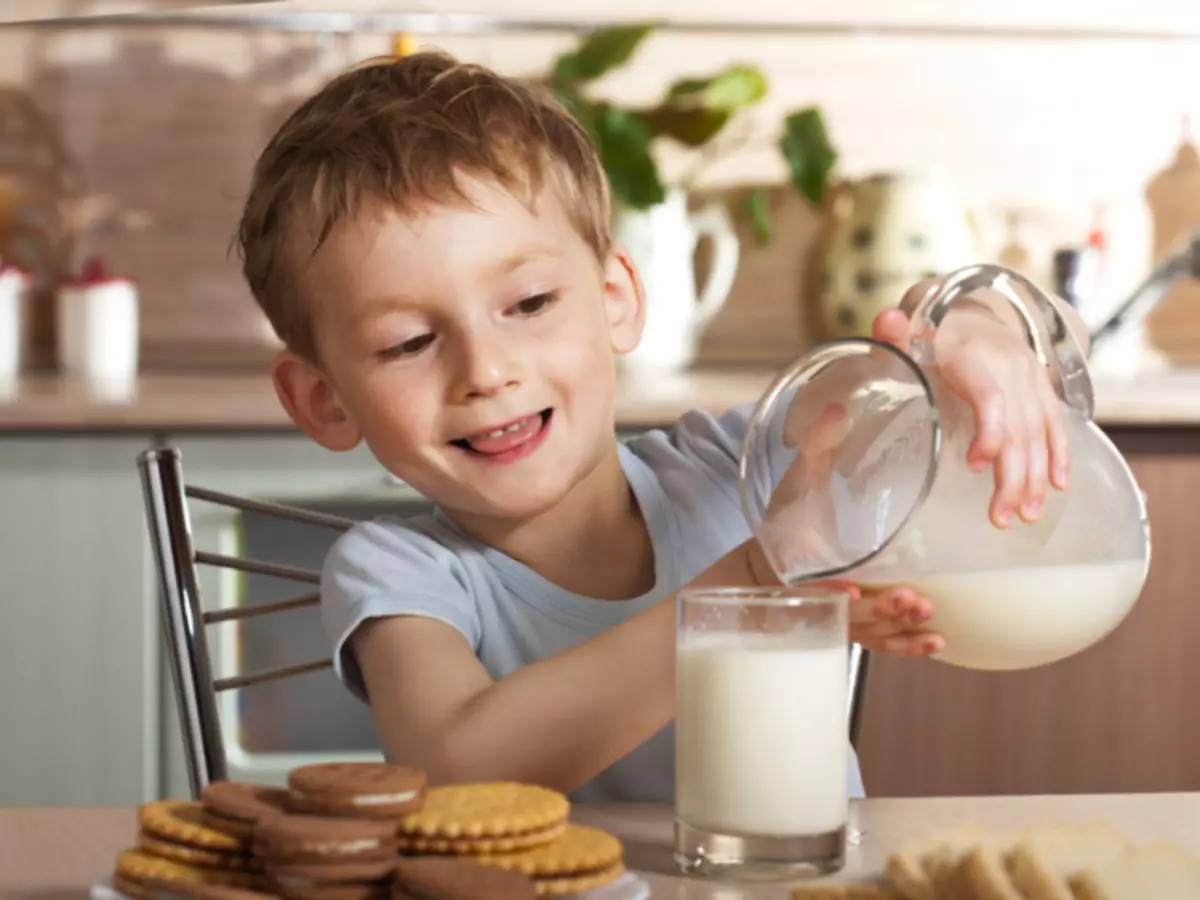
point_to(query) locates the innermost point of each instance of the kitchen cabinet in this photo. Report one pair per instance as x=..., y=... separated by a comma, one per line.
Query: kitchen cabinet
x=79, y=646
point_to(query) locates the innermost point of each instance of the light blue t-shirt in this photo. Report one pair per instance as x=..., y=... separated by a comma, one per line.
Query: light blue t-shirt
x=686, y=483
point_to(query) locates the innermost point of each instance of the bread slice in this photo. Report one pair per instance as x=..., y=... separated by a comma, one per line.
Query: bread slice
x=981, y=874
x=1041, y=865
x=917, y=867
x=1157, y=872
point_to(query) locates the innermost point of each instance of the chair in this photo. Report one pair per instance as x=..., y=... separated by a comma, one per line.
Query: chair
x=185, y=619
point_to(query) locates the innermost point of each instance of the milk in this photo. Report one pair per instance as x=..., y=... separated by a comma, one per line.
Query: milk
x=1031, y=615
x=761, y=732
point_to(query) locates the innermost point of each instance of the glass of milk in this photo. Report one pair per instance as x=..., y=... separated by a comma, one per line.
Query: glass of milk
x=761, y=730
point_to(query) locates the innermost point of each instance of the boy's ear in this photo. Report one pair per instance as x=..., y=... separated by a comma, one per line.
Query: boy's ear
x=625, y=302
x=312, y=403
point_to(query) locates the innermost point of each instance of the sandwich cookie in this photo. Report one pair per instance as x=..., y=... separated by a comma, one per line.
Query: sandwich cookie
x=357, y=790
x=582, y=859
x=176, y=831
x=135, y=868
x=234, y=807
x=484, y=817
x=445, y=878
x=317, y=858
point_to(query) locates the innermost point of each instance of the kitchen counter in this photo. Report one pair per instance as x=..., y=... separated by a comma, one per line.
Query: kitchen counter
x=60, y=852
x=248, y=403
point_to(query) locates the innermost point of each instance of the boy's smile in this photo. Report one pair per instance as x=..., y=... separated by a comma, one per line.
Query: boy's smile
x=471, y=346
x=509, y=441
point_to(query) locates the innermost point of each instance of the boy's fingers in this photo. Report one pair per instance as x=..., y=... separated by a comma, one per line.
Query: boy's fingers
x=914, y=644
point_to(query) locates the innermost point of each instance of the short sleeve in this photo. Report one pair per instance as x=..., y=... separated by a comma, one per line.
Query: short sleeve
x=391, y=568
x=714, y=443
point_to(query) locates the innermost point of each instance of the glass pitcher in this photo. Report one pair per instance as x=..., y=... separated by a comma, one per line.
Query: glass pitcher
x=855, y=466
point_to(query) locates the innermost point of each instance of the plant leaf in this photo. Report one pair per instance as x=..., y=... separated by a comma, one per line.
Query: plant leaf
x=692, y=127
x=760, y=217
x=733, y=88
x=810, y=156
x=600, y=52
x=623, y=143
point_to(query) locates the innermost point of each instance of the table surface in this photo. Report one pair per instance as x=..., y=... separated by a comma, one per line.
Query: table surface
x=57, y=853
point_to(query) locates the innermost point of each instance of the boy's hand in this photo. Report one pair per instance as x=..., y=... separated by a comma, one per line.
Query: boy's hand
x=892, y=621
x=1018, y=418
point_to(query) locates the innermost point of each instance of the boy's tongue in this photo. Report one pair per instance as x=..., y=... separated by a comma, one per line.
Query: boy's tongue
x=510, y=438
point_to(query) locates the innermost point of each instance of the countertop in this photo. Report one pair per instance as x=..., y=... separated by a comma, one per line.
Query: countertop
x=58, y=853
x=246, y=402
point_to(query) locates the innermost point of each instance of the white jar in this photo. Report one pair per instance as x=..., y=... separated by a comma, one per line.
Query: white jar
x=14, y=284
x=98, y=329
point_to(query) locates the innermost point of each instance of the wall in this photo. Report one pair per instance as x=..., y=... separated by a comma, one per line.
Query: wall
x=162, y=127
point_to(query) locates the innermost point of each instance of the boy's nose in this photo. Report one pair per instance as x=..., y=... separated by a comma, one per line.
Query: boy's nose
x=486, y=367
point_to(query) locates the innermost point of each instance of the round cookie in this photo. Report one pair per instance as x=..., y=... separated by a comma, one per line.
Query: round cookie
x=485, y=845
x=458, y=879
x=331, y=872
x=301, y=838
x=581, y=850
x=485, y=809
x=193, y=856
x=135, y=867
x=361, y=790
x=181, y=822
x=234, y=807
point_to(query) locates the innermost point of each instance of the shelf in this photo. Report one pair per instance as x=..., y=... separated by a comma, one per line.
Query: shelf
x=27, y=13
x=433, y=23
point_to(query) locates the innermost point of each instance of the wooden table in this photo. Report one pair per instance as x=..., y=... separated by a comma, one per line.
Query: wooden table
x=55, y=854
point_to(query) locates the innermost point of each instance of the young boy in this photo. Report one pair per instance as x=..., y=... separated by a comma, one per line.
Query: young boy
x=431, y=242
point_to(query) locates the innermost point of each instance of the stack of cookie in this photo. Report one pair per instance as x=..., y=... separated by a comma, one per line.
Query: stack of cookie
x=339, y=838
x=366, y=831
x=517, y=828
x=176, y=844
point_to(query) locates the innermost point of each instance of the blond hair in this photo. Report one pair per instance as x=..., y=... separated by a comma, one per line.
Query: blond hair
x=400, y=131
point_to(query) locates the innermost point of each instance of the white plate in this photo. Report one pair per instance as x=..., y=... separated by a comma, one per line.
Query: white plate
x=629, y=886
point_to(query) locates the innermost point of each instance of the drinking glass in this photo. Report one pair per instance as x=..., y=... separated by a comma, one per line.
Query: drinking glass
x=762, y=739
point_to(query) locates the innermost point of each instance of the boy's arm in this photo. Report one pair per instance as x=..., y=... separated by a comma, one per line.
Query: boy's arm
x=557, y=722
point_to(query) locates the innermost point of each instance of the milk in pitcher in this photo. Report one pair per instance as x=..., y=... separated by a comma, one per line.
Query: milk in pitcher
x=1026, y=616
x=762, y=734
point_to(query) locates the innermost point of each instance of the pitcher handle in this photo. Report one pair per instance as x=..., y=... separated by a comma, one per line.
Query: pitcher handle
x=1063, y=356
x=713, y=221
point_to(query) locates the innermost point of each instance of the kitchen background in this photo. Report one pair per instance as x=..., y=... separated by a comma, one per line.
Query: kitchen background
x=157, y=129
x=1070, y=118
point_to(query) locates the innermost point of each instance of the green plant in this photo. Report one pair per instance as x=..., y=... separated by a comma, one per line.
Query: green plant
x=694, y=112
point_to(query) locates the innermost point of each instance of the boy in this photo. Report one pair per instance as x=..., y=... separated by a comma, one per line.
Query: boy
x=430, y=240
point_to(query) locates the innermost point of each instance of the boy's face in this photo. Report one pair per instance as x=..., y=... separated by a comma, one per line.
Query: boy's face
x=471, y=347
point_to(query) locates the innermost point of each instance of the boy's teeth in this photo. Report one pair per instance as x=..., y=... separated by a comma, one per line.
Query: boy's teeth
x=515, y=426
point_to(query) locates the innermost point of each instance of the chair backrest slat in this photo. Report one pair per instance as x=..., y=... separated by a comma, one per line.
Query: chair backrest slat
x=304, y=516
x=234, y=613
x=239, y=681
x=254, y=566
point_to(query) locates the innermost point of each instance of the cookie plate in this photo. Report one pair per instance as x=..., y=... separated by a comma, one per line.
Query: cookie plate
x=629, y=886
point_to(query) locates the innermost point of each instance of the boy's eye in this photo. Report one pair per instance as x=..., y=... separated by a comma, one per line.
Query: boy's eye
x=411, y=347
x=533, y=305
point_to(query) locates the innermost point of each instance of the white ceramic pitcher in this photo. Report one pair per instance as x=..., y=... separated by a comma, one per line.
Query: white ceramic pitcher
x=662, y=242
